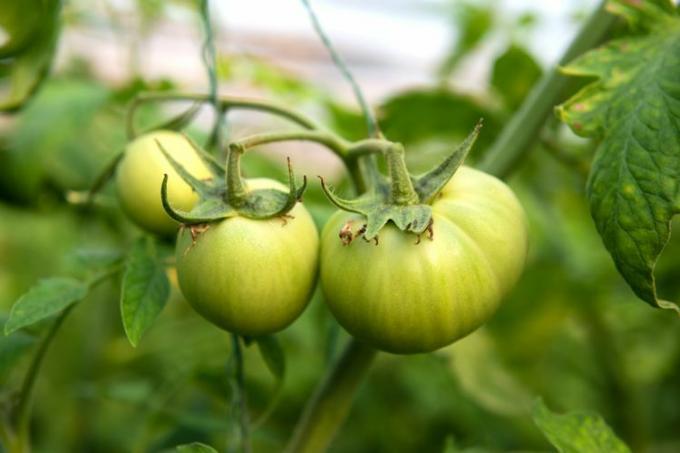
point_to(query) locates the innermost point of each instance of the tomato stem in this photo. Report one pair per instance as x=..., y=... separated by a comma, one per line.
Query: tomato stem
x=403, y=193
x=331, y=141
x=330, y=404
x=240, y=405
x=235, y=188
x=225, y=102
x=22, y=413
x=23, y=410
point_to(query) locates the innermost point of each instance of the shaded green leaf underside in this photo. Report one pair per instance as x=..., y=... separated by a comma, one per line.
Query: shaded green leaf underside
x=634, y=108
x=577, y=433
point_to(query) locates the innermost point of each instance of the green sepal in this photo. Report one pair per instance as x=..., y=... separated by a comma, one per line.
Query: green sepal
x=210, y=209
x=427, y=186
x=267, y=203
x=407, y=203
x=358, y=205
x=414, y=219
x=217, y=169
x=213, y=204
x=377, y=210
x=203, y=188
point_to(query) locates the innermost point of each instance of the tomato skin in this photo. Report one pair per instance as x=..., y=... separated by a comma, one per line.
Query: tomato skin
x=250, y=277
x=404, y=297
x=140, y=174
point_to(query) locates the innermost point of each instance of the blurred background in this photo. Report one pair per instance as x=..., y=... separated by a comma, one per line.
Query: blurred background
x=571, y=333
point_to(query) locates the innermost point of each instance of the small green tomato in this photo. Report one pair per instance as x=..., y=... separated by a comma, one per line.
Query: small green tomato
x=250, y=277
x=140, y=175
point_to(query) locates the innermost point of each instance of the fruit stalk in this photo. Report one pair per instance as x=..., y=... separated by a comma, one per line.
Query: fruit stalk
x=330, y=404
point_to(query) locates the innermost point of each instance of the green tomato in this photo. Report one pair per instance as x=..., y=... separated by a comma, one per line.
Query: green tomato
x=250, y=277
x=140, y=174
x=403, y=297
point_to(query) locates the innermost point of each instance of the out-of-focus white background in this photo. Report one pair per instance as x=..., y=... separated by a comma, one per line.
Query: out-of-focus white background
x=389, y=44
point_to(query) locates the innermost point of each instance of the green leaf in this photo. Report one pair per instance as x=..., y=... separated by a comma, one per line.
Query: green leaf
x=577, y=433
x=514, y=74
x=47, y=298
x=91, y=260
x=273, y=355
x=145, y=289
x=60, y=140
x=633, y=108
x=196, y=447
x=420, y=115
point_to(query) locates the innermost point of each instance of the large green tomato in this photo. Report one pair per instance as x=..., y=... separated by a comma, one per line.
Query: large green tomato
x=140, y=175
x=250, y=277
x=404, y=297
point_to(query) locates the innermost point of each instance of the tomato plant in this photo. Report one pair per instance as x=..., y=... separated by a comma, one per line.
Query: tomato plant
x=163, y=282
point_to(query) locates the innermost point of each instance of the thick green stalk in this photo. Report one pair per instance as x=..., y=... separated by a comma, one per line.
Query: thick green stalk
x=330, y=404
x=236, y=191
x=523, y=130
x=403, y=192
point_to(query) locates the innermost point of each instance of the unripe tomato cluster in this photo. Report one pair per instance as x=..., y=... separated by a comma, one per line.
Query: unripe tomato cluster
x=255, y=277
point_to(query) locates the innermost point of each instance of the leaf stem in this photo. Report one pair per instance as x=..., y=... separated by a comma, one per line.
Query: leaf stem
x=331, y=402
x=523, y=130
x=329, y=140
x=226, y=102
x=23, y=410
x=240, y=402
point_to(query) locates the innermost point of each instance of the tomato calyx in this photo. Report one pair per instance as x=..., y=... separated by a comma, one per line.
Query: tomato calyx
x=225, y=194
x=398, y=196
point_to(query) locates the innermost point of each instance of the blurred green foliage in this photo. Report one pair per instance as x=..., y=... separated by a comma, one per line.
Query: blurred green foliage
x=27, y=46
x=571, y=332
